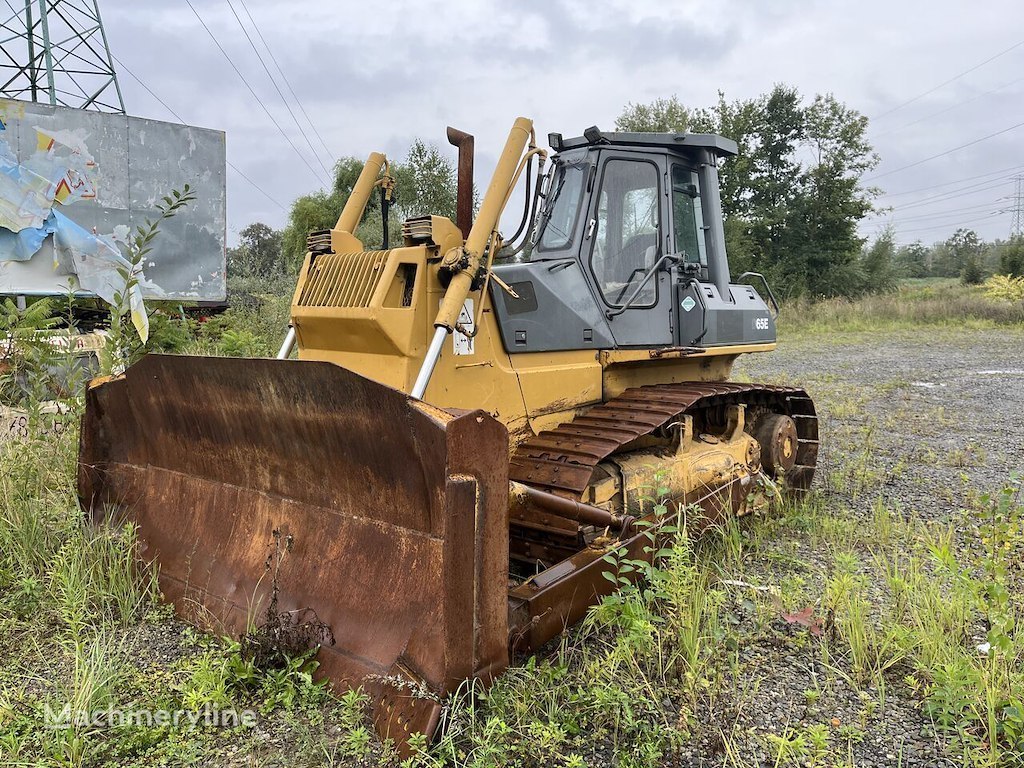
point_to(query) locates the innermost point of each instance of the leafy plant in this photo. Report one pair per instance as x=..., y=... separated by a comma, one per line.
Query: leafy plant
x=25, y=351
x=789, y=747
x=1005, y=288
x=228, y=676
x=123, y=345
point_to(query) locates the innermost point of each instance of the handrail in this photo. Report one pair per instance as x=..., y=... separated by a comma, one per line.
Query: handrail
x=651, y=272
x=767, y=287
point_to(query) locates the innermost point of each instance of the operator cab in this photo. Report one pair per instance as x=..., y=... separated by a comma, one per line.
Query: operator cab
x=629, y=251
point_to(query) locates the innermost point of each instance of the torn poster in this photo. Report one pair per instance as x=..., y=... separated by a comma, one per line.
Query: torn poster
x=104, y=171
x=58, y=171
x=25, y=195
x=100, y=267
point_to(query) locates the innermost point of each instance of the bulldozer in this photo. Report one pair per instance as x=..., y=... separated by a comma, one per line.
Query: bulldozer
x=458, y=430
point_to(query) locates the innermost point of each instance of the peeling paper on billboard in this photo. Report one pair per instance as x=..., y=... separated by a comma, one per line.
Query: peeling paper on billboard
x=58, y=172
x=25, y=195
x=97, y=261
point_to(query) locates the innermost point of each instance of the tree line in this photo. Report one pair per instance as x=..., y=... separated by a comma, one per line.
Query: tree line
x=792, y=199
x=964, y=255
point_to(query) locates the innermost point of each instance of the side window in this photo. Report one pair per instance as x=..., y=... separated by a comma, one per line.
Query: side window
x=687, y=217
x=626, y=237
x=560, y=219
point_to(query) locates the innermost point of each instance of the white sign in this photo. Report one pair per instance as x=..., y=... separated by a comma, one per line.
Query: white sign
x=462, y=344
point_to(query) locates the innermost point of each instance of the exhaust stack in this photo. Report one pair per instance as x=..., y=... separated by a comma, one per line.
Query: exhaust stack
x=464, y=199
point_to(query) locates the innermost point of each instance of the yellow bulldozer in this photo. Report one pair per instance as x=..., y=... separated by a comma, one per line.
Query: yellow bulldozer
x=471, y=424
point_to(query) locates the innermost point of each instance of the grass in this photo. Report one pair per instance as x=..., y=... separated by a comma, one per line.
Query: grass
x=834, y=615
x=942, y=302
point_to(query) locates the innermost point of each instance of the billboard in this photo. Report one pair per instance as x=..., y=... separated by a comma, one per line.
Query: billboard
x=75, y=185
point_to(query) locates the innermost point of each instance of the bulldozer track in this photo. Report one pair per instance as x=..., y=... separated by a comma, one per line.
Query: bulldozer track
x=562, y=460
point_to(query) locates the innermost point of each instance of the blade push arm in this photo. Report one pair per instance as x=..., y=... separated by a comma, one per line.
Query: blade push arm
x=464, y=263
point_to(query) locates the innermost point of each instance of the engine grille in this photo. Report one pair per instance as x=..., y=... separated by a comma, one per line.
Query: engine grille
x=343, y=279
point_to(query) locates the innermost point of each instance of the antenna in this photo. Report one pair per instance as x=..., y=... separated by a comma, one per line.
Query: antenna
x=56, y=52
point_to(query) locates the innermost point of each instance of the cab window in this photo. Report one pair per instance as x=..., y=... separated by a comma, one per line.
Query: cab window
x=626, y=232
x=687, y=217
x=560, y=218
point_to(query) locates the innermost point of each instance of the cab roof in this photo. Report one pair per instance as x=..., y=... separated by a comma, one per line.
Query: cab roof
x=718, y=145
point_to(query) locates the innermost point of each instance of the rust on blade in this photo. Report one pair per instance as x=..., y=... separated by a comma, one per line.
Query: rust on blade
x=397, y=512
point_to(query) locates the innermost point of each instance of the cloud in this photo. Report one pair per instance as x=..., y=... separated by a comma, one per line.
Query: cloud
x=375, y=75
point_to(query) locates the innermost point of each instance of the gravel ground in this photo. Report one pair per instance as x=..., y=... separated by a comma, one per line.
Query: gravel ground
x=942, y=412
x=949, y=402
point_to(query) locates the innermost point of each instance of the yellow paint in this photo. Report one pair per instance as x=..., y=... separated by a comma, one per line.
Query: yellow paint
x=375, y=313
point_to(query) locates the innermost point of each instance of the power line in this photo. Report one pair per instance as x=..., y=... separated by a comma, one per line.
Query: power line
x=276, y=88
x=938, y=225
x=960, y=211
x=941, y=154
x=947, y=82
x=178, y=117
x=950, y=183
x=955, y=194
x=251, y=91
x=960, y=224
x=284, y=77
x=948, y=109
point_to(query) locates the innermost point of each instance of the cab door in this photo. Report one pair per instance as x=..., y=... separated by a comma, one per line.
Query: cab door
x=625, y=236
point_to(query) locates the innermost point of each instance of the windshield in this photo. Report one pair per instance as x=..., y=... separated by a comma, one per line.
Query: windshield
x=560, y=213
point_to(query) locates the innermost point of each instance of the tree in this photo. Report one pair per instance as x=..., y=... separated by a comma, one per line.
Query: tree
x=661, y=115
x=1011, y=257
x=792, y=197
x=913, y=260
x=425, y=183
x=878, y=264
x=309, y=213
x=972, y=272
x=962, y=256
x=258, y=253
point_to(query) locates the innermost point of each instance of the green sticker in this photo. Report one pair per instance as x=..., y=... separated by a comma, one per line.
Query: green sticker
x=688, y=304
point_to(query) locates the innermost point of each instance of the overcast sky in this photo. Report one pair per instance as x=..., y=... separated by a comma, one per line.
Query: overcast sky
x=374, y=75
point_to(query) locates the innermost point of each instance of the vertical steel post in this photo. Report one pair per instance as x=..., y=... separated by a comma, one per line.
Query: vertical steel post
x=32, y=72
x=714, y=229
x=110, y=59
x=44, y=25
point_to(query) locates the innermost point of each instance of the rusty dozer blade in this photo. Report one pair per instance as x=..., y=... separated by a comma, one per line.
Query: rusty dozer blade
x=395, y=510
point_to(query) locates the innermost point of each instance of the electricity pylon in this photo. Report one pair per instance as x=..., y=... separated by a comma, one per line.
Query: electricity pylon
x=1017, y=224
x=56, y=52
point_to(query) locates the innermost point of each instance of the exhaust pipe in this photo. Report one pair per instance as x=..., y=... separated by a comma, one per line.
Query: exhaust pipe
x=464, y=199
